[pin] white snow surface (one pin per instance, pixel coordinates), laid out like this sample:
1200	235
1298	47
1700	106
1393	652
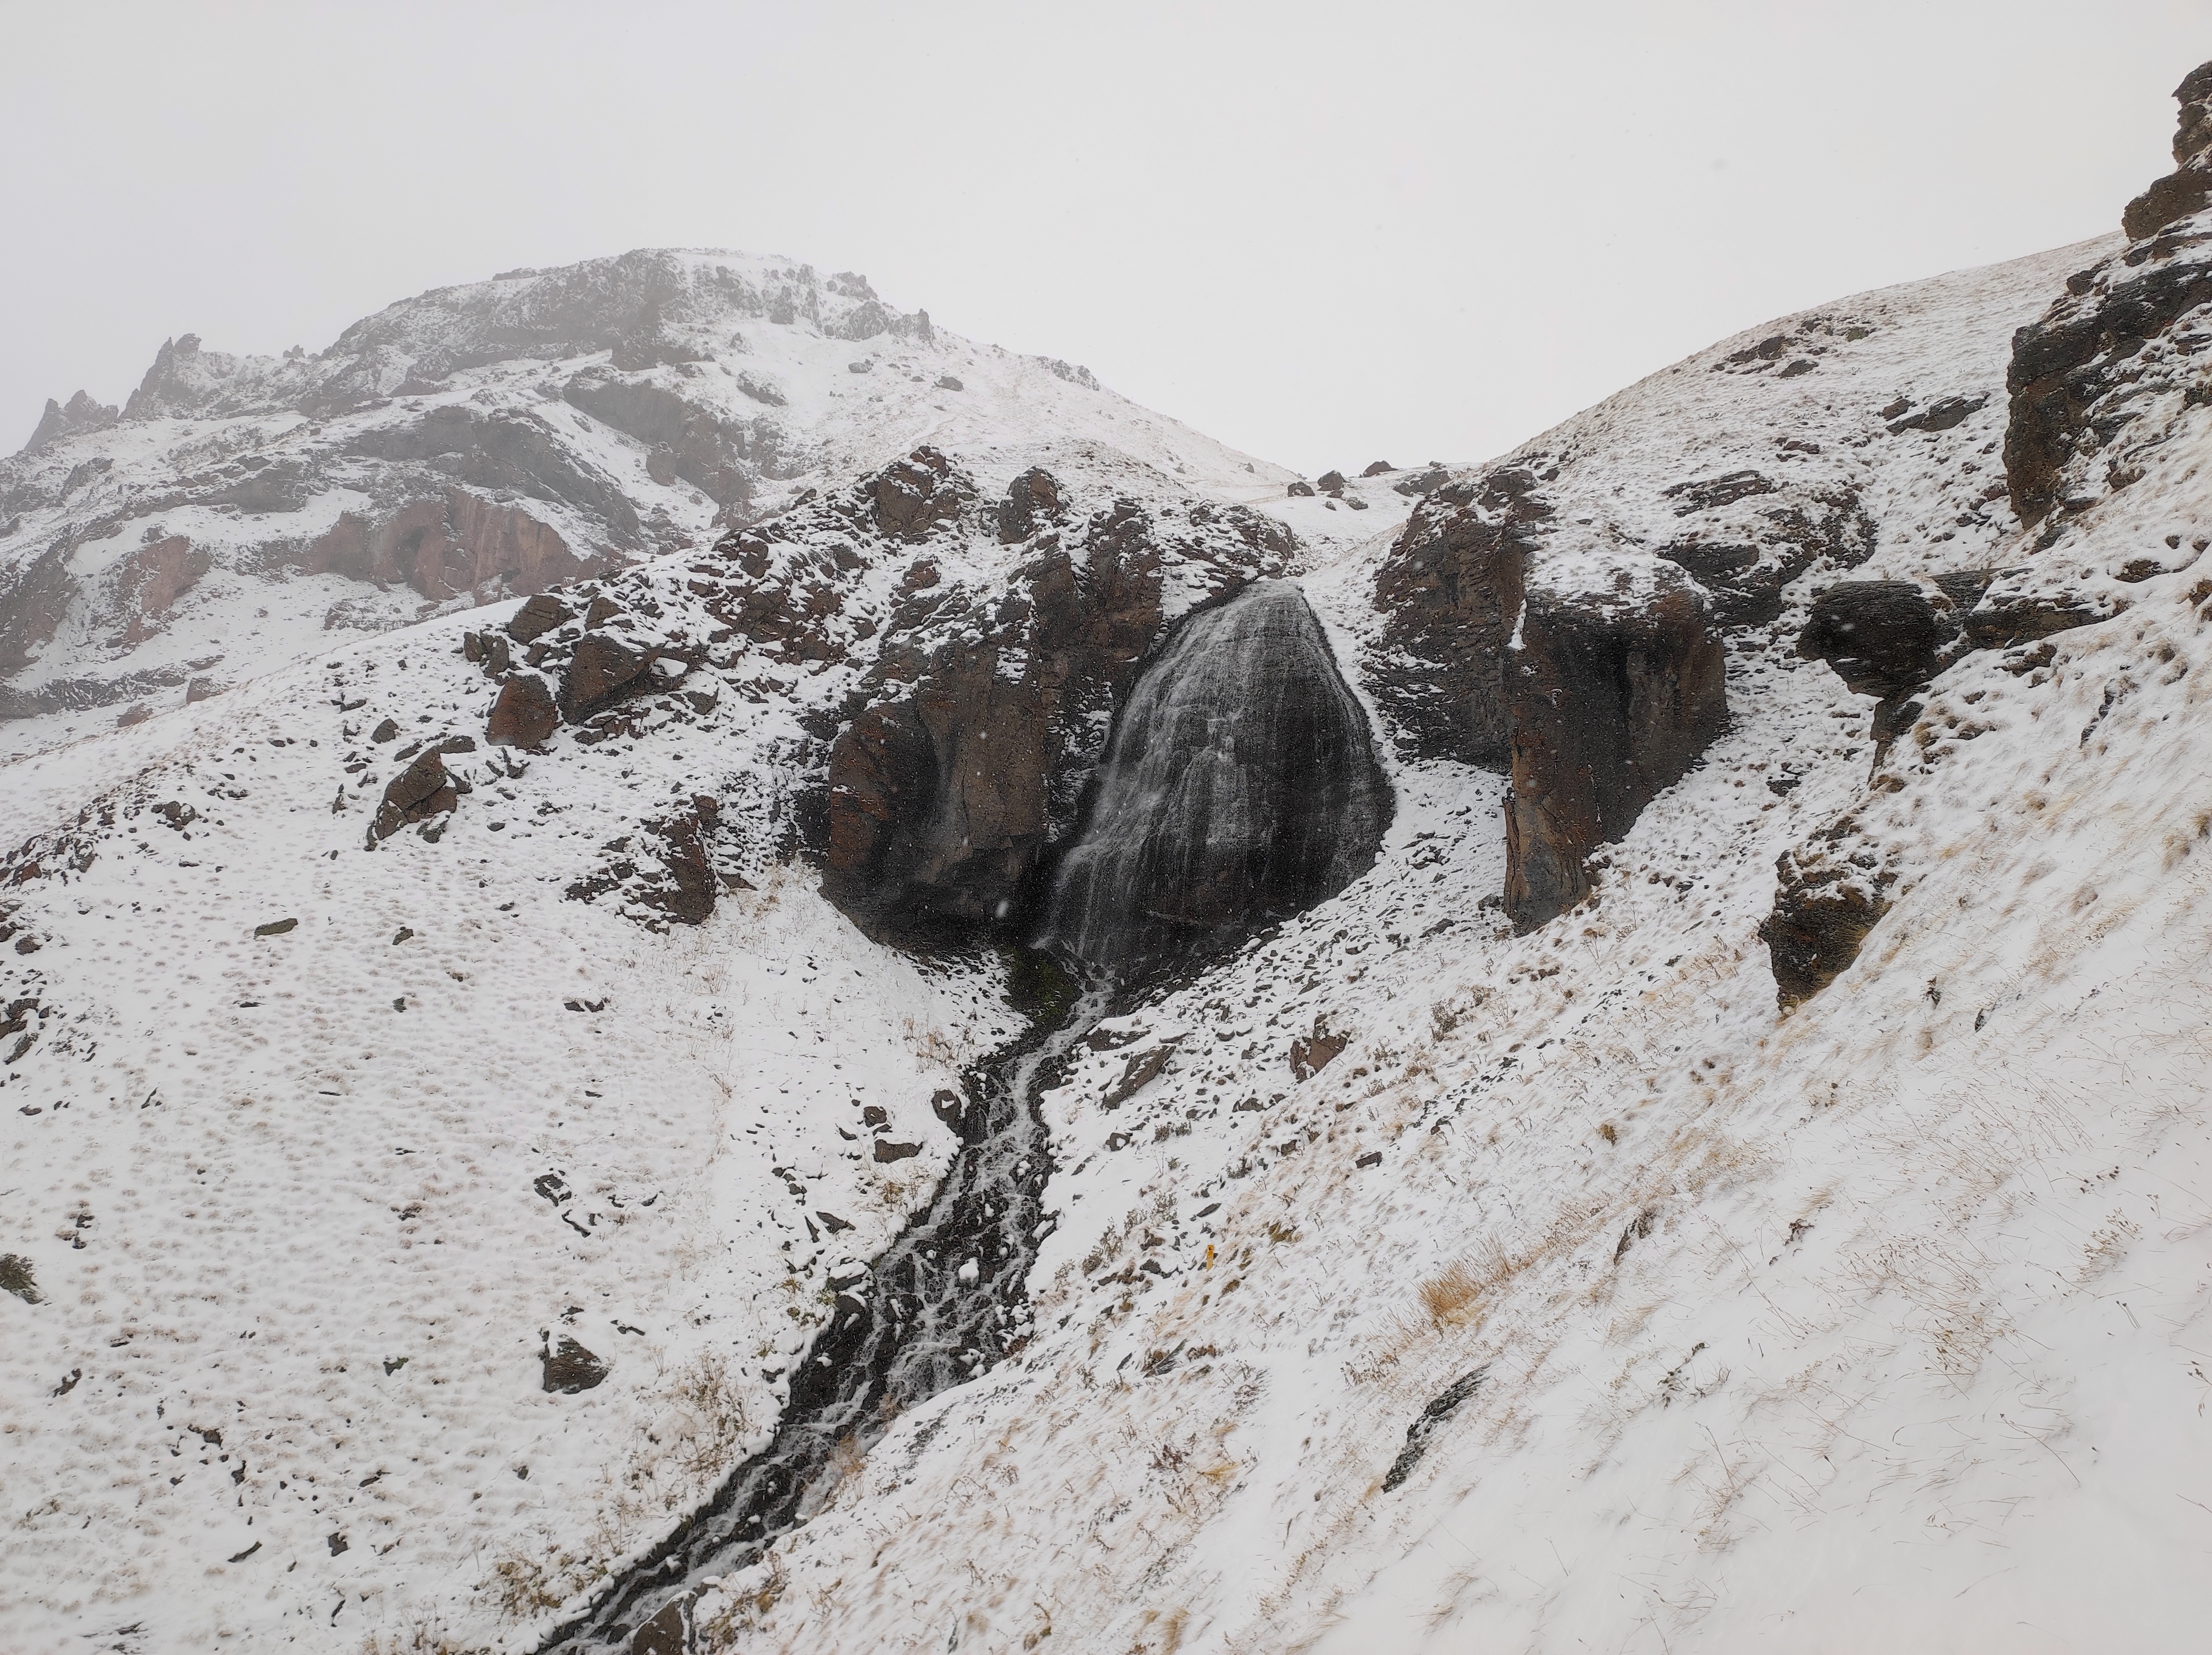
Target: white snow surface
1881	1325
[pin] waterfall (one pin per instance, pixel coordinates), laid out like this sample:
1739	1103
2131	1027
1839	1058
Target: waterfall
1239	787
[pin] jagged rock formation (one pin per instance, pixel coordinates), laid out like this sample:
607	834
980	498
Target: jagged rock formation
1615	694
81	415
1240	787
1596	676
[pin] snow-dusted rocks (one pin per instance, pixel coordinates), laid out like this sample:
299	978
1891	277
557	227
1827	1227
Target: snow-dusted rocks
491	441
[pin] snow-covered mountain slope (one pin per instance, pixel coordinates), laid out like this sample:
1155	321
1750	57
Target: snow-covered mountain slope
1413	1276
489	441
1582	1299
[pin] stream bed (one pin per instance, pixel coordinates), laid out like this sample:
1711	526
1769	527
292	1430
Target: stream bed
940	1305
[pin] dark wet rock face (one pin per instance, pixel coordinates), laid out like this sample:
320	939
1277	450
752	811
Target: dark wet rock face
1613	697
1240	786
941	800
1449	593
970	740
1884	638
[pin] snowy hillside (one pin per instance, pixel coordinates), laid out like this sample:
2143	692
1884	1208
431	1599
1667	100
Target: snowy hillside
542	1128
490	440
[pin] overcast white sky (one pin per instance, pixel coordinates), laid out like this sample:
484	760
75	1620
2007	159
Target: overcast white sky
1324	233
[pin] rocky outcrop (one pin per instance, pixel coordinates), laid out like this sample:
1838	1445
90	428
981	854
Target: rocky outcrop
1614	695
941	799
537	617
152	578
421	790
601	669
35	595
914	495
1830	893
2086	371
1032	502
78	415
524	714
1884	638
2188	188
1746	557
967	743
504	450
1595	680
445	547
1240	787
1449	593
721	459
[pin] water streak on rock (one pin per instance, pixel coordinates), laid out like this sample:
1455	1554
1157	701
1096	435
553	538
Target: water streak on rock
1240	787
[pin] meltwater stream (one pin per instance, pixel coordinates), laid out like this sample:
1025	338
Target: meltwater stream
939	1306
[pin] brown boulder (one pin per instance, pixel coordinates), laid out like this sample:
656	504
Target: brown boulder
420	791
1613	698
523	715
568	1367
538	616
601	671
1830	893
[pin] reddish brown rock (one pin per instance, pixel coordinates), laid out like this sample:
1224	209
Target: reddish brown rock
152	578
445	547
915	494
1032	501
568	1367
601	671
523	715
1614	695
538	616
